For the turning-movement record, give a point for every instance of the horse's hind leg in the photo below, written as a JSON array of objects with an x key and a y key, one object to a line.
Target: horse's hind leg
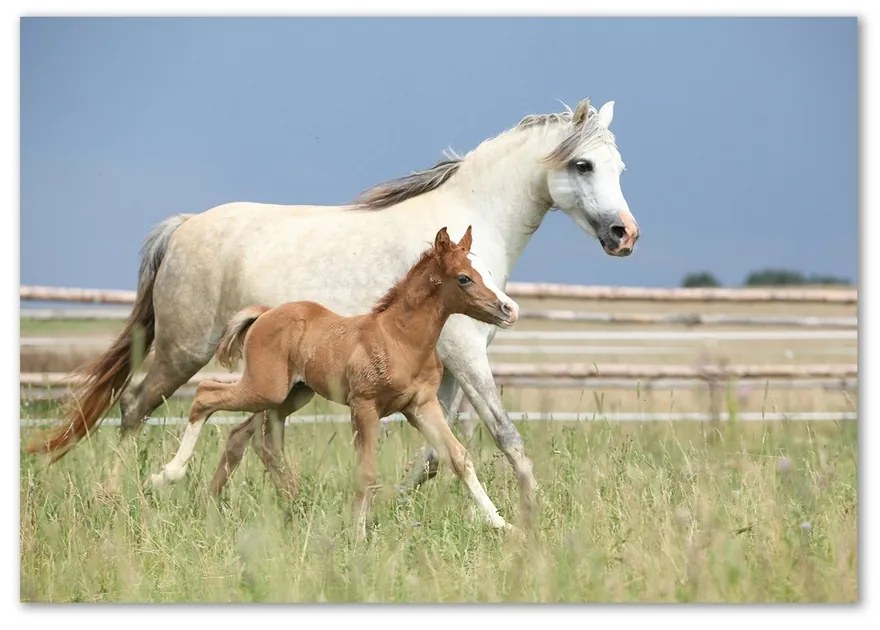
[
  {"x": 236, "y": 444},
  {"x": 210, "y": 397},
  {"x": 168, "y": 372},
  {"x": 269, "y": 442}
]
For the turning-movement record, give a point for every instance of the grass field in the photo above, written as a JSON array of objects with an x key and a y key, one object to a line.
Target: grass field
[
  {"x": 631, "y": 512},
  {"x": 658, "y": 512}
]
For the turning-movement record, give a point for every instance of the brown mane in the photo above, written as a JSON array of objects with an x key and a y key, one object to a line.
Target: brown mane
[{"x": 394, "y": 293}]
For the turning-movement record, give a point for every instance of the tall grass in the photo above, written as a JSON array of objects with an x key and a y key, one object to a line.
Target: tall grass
[{"x": 655, "y": 512}]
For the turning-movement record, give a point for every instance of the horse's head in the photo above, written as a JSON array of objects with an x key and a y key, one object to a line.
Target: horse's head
[
  {"x": 584, "y": 180},
  {"x": 466, "y": 285}
]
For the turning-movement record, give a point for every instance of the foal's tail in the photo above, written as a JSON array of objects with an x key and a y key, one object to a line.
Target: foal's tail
[
  {"x": 105, "y": 377},
  {"x": 229, "y": 348}
]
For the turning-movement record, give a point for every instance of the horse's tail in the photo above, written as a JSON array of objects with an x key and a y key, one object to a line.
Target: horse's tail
[
  {"x": 229, "y": 348},
  {"x": 106, "y": 377}
]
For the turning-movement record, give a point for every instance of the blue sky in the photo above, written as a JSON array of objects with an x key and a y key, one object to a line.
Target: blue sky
[{"x": 739, "y": 135}]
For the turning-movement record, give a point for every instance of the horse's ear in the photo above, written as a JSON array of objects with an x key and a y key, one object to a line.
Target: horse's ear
[
  {"x": 466, "y": 240},
  {"x": 581, "y": 112},
  {"x": 441, "y": 241},
  {"x": 606, "y": 114}
]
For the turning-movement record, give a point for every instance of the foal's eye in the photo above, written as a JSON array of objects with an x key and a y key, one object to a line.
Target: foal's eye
[
  {"x": 463, "y": 280},
  {"x": 583, "y": 166}
]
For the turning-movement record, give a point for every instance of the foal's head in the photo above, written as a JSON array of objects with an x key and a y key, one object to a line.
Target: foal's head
[{"x": 466, "y": 285}]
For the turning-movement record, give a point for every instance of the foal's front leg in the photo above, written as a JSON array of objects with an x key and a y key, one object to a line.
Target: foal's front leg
[
  {"x": 425, "y": 464},
  {"x": 430, "y": 421},
  {"x": 462, "y": 348},
  {"x": 365, "y": 424}
]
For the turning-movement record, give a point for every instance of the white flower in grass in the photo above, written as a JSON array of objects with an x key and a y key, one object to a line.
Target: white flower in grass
[
  {"x": 682, "y": 516},
  {"x": 784, "y": 464}
]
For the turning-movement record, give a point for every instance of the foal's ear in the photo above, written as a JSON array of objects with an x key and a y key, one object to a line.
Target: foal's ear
[
  {"x": 466, "y": 240},
  {"x": 441, "y": 241}
]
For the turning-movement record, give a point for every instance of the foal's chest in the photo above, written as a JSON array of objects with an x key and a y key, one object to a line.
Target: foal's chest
[{"x": 409, "y": 385}]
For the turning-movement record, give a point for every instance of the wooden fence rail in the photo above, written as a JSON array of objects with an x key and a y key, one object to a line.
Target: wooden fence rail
[
  {"x": 67, "y": 294},
  {"x": 553, "y": 315},
  {"x": 689, "y": 319},
  {"x": 563, "y": 371},
  {"x": 534, "y": 290},
  {"x": 646, "y": 294}
]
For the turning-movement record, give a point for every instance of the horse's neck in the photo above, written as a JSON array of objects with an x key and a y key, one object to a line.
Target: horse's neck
[
  {"x": 416, "y": 316},
  {"x": 503, "y": 190}
]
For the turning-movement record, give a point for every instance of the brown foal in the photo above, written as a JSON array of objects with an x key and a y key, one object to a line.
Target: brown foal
[{"x": 378, "y": 363}]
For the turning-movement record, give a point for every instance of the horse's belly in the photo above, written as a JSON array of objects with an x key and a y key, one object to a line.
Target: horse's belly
[
  {"x": 334, "y": 391},
  {"x": 325, "y": 373}
]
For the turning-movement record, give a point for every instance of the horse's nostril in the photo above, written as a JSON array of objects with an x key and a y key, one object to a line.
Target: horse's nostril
[
  {"x": 618, "y": 232},
  {"x": 505, "y": 308}
]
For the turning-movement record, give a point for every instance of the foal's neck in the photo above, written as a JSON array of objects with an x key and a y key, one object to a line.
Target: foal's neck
[{"x": 417, "y": 313}]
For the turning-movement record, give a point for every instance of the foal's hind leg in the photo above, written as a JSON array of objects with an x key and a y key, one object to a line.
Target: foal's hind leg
[
  {"x": 267, "y": 431},
  {"x": 236, "y": 444},
  {"x": 429, "y": 420},
  {"x": 270, "y": 442},
  {"x": 211, "y": 396}
]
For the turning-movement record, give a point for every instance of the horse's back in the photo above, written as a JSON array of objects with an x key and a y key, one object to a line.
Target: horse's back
[
  {"x": 243, "y": 253},
  {"x": 292, "y": 322},
  {"x": 236, "y": 254},
  {"x": 306, "y": 311},
  {"x": 320, "y": 324}
]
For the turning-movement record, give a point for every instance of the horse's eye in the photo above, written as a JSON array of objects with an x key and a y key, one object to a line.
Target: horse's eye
[
  {"x": 463, "y": 280},
  {"x": 583, "y": 166}
]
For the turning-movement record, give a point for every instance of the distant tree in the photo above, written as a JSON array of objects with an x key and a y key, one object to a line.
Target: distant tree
[
  {"x": 700, "y": 279},
  {"x": 774, "y": 277},
  {"x": 777, "y": 277},
  {"x": 820, "y": 279}
]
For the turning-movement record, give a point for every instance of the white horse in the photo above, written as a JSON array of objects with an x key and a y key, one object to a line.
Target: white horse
[{"x": 198, "y": 270}]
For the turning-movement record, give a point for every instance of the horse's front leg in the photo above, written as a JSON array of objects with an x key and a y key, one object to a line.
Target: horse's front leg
[
  {"x": 426, "y": 462},
  {"x": 464, "y": 354},
  {"x": 365, "y": 424},
  {"x": 429, "y": 420}
]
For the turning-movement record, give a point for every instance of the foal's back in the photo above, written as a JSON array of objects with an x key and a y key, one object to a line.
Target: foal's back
[{"x": 305, "y": 342}]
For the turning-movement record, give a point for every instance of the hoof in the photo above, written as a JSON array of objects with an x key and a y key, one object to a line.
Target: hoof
[
  {"x": 112, "y": 485},
  {"x": 360, "y": 535},
  {"x": 157, "y": 480},
  {"x": 514, "y": 532},
  {"x": 107, "y": 491}
]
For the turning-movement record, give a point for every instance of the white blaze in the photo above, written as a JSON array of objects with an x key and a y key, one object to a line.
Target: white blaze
[{"x": 480, "y": 267}]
